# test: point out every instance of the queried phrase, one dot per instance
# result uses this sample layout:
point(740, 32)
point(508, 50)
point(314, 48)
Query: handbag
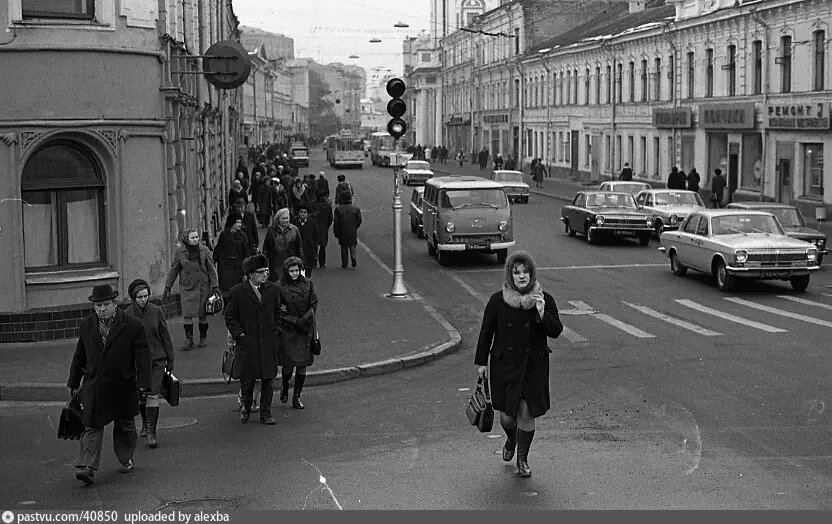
point(171, 388)
point(479, 410)
point(71, 424)
point(316, 344)
point(228, 364)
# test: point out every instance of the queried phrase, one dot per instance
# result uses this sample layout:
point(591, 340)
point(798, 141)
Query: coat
point(718, 185)
point(342, 191)
point(347, 220)
point(279, 245)
point(158, 340)
point(265, 201)
point(113, 373)
point(321, 212)
point(250, 229)
point(515, 341)
point(693, 181)
point(253, 325)
point(310, 237)
point(300, 300)
point(229, 253)
point(196, 280)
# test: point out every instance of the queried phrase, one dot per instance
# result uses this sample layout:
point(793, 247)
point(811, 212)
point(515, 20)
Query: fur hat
point(520, 257)
point(231, 218)
point(255, 262)
point(136, 286)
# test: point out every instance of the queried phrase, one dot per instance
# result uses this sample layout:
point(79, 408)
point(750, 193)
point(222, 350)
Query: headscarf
point(193, 251)
point(521, 298)
point(289, 262)
point(237, 185)
point(136, 286)
point(232, 217)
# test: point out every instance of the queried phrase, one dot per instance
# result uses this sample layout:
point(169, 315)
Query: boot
point(245, 412)
point(524, 442)
point(143, 413)
point(152, 420)
point(299, 380)
point(189, 337)
point(203, 335)
point(284, 387)
point(511, 442)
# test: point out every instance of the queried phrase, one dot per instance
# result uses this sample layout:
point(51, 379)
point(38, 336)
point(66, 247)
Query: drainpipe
point(521, 101)
point(613, 101)
point(766, 72)
point(676, 96)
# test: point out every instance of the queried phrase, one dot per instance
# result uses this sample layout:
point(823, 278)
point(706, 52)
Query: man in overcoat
point(321, 212)
point(310, 237)
point(249, 224)
point(347, 220)
point(252, 319)
point(113, 359)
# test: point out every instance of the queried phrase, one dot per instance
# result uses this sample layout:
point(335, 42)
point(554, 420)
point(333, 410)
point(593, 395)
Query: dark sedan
point(602, 213)
point(792, 221)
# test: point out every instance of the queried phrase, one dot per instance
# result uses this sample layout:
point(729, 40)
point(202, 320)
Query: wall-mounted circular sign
point(227, 65)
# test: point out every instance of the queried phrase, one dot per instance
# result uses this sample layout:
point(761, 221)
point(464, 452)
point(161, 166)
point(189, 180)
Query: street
point(666, 394)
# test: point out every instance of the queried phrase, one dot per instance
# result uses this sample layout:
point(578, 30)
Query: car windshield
point(457, 198)
point(625, 187)
point(418, 164)
point(610, 200)
point(739, 224)
point(788, 217)
point(508, 177)
point(678, 199)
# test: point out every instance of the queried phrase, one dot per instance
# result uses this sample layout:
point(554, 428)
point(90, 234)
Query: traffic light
point(396, 108)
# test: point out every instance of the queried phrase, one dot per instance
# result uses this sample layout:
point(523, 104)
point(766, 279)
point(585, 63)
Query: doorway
point(574, 153)
point(733, 174)
point(784, 180)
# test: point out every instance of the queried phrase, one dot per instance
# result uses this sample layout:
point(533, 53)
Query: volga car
point(416, 211)
point(466, 213)
point(597, 213)
point(792, 221)
point(514, 184)
point(416, 172)
point(624, 186)
point(739, 243)
point(669, 206)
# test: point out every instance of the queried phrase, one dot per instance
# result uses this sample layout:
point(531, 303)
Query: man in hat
point(718, 184)
point(309, 235)
point(113, 358)
point(252, 319)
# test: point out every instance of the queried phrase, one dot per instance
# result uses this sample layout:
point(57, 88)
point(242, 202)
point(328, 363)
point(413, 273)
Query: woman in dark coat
point(517, 321)
point(298, 303)
point(298, 194)
point(161, 353)
point(264, 202)
point(231, 249)
point(282, 241)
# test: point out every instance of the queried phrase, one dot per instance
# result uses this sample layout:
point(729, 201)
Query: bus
point(345, 149)
point(381, 145)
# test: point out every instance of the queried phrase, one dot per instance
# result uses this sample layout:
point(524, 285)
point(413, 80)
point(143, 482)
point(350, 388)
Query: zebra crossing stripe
point(572, 336)
point(675, 321)
point(627, 328)
point(781, 312)
point(804, 301)
point(727, 316)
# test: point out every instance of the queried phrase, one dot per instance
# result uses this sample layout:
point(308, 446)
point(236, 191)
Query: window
point(820, 60)
point(63, 225)
point(608, 149)
point(644, 80)
point(517, 92)
point(575, 84)
point(586, 87)
point(80, 9)
point(560, 147)
point(609, 84)
point(691, 74)
point(785, 60)
point(813, 170)
point(631, 152)
point(619, 79)
point(655, 157)
point(632, 83)
point(425, 57)
point(731, 68)
point(597, 85)
point(709, 73)
point(657, 80)
point(619, 152)
point(588, 150)
point(517, 41)
point(569, 87)
point(567, 147)
point(560, 89)
point(671, 75)
point(758, 67)
point(642, 157)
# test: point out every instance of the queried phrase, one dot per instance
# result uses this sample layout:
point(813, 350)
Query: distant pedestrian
point(343, 190)
point(298, 303)
point(298, 195)
point(113, 359)
point(251, 317)
point(264, 202)
point(674, 180)
point(626, 173)
point(281, 242)
point(231, 249)
point(323, 185)
point(520, 315)
point(347, 220)
point(236, 191)
point(161, 354)
point(321, 212)
point(310, 237)
point(693, 180)
point(718, 184)
point(538, 172)
point(249, 224)
point(460, 157)
point(510, 164)
point(498, 162)
point(194, 266)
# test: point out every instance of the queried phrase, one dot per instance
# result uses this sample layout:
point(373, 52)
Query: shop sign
point(798, 116)
point(459, 120)
point(727, 116)
point(672, 117)
point(495, 119)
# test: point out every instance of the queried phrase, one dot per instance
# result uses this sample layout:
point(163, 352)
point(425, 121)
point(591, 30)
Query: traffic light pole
point(398, 290)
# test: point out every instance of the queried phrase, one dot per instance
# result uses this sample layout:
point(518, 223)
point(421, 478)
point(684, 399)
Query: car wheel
point(800, 283)
point(644, 239)
point(659, 228)
point(502, 254)
point(525, 200)
point(676, 267)
point(442, 257)
point(431, 249)
point(569, 230)
point(413, 228)
point(591, 237)
point(420, 232)
point(724, 281)
point(820, 259)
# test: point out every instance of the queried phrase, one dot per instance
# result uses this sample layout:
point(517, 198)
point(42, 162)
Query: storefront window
point(752, 161)
point(813, 170)
point(717, 154)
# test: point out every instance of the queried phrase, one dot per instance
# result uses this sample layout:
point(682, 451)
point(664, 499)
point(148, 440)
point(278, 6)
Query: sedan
point(416, 211)
point(669, 206)
point(737, 243)
point(624, 186)
point(596, 213)
point(514, 183)
point(416, 172)
point(792, 221)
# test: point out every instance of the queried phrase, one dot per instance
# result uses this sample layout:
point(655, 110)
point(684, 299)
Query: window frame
point(786, 64)
point(709, 73)
point(819, 59)
point(59, 15)
point(691, 75)
point(757, 51)
point(731, 69)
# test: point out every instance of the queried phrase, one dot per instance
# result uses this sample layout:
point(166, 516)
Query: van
point(466, 213)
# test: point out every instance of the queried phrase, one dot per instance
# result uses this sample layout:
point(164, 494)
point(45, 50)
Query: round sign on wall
point(228, 65)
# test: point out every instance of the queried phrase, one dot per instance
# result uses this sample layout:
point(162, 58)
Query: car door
point(429, 210)
point(572, 212)
point(682, 239)
point(701, 245)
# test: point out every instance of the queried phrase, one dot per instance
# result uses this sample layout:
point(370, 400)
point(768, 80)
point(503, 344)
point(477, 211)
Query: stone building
point(269, 110)
point(421, 76)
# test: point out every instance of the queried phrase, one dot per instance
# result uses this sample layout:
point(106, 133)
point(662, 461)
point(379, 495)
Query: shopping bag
point(479, 410)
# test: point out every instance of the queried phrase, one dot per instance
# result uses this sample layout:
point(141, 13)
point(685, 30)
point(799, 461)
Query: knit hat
point(136, 286)
point(520, 257)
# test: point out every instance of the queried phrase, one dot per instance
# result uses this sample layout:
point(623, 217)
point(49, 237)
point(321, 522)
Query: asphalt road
point(725, 411)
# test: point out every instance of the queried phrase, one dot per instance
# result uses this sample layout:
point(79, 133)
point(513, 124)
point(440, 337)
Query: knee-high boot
point(152, 420)
point(286, 376)
point(299, 380)
point(143, 413)
point(524, 442)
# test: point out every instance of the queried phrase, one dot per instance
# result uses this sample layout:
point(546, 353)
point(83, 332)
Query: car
point(416, 172)
point(416, 211)
point(739, 243)
point(514, 183)
point(792, 221)
point(668, 206)
point(596, 213)
point(624, 186)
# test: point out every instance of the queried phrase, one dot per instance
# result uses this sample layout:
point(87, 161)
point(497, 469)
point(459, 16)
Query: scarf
point(525, 300)
point(104, 328)
point(298, 192)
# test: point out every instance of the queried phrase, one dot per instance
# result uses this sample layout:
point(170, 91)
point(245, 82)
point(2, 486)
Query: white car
point(416, 172)
point(624, 186)
point(514, 183)
point(669, 207)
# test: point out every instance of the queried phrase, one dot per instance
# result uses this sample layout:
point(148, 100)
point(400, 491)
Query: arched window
point(63, 225)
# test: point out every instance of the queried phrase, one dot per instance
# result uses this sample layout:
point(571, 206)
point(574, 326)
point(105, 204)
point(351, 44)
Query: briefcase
point(479, 410)
point(228, 364)
point(71, 424)
point(171, 388)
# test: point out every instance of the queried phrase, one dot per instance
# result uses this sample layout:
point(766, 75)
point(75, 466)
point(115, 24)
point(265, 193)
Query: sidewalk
point(354, 321)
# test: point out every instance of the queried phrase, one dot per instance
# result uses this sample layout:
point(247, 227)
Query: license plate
point(775, 274)
point(477, 246)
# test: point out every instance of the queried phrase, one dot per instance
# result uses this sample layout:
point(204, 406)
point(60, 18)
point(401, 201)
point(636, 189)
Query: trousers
point(266, 394)
point(344, 259)
point(124, 443)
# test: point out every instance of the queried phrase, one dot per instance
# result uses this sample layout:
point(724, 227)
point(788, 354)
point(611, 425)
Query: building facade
point(421, 76)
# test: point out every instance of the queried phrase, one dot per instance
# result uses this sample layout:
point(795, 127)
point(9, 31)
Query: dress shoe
point(284, 397)
point(203, 342)
point(269, 421)
point(85, 475)
point(127, 467)
point(296, 403)
point(508, 453)
point(244, 415)
point(523, 469)
point(354, 262)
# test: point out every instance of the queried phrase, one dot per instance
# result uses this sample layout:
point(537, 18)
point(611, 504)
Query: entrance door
point(595, 159)
point(574, 154)
point(733, 167)
point(784, 180)
point(495, 144)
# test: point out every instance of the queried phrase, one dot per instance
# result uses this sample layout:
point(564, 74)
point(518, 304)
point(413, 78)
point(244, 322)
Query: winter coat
point(233, 195)
point(343, 191)
point(538, 172)
point(515, 339)
point(253, 325)
point(321, 212)
point(264, 200)
point(310, 237)
point(718, 185)
point(298, 197)
point(323, 187)
point(297, 321)
point(279, 245)
point(693, 180)
point(231, 249)
point(347, 220)
point(250, 229)
point(113, 373)
point(158, 340)
point(626, 174)
point(196, 280)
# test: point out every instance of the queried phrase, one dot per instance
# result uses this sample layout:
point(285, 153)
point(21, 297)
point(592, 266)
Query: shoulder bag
point(479, 410)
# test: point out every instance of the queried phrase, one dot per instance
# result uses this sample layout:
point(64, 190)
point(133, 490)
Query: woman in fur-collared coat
point(518, 320)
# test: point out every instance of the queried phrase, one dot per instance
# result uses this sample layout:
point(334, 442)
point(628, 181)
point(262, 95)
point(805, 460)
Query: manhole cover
point(206, 504)
point(175, 422)
point(576, 311)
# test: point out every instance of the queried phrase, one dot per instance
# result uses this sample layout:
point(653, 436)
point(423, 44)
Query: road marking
point(675, 321)
point(804, 301)
point(558, 268)
point(781, 312)
point(727, 316)
point(572, 336)
point(627, 328)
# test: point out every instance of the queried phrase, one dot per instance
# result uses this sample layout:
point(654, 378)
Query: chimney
point(637, 6)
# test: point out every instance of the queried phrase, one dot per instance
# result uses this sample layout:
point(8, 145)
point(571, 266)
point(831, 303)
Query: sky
point(332, 30)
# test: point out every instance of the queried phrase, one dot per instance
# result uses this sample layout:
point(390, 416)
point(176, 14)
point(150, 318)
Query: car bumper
point(622, 230)
point(770, 273)
point(494, 246)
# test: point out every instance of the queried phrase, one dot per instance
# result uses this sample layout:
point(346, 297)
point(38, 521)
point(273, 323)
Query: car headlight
point(649, 221)
point(821, 242)
point(811, 254)
point(599, 220)
point(673, 219)
point(450, 227)
point(741, 256)
point(503, 225)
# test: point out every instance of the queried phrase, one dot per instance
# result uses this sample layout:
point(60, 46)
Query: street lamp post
point(398, 290)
